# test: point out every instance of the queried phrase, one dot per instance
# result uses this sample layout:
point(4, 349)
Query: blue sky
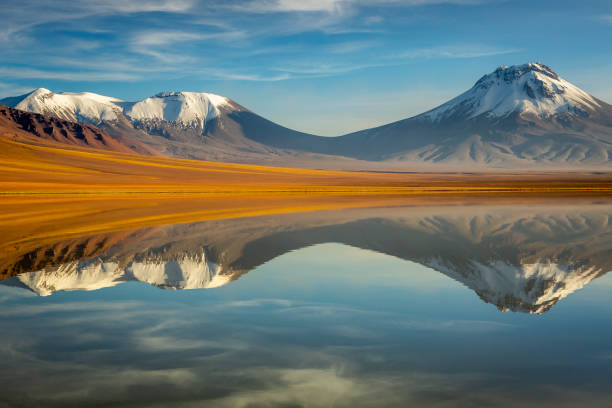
point(322, 66)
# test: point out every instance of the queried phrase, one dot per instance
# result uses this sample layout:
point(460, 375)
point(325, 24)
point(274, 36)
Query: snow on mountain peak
point(531, 88)
point(187, 108)
point(75, 107)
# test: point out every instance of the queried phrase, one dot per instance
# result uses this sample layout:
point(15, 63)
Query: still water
point(444, 306)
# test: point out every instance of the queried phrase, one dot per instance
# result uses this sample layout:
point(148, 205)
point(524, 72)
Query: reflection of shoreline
point(33, 221)
point(520, 258)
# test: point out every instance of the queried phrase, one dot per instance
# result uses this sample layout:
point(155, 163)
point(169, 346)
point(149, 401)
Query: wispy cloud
point(141, 6)
point(401, 58)
point(335, 6)
point(156, 38)
point(461, 51)
point(94, 76)
point(32, 13)
point(324, 69)
point(12, 90)
point(266, 6)
point(370, 20)
point(351, 46)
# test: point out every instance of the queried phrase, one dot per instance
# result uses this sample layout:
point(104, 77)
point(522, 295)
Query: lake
point(476, 304)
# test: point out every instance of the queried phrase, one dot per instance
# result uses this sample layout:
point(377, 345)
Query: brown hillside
point(34, 128)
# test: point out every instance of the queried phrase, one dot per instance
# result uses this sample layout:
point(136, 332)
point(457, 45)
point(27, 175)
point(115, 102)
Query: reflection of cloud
point(258, 303)
point(93, 306)
point(299, 387)
point(471, 326)
point(160, 352)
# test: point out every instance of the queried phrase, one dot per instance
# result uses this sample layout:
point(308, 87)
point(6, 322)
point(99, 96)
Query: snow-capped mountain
point(529, 89)
point(85, 107)
point(185, 108)
point(518, 117)
point(187, 271)
point(182, 108)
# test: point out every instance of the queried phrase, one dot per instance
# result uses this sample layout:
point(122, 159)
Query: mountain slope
point(28, 127)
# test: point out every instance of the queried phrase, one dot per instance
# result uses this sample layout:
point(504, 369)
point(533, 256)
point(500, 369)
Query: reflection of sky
point(325, 325)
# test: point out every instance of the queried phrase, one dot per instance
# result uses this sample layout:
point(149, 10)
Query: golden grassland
point(27, 169)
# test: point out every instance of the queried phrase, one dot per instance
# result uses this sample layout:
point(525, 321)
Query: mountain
point(518, 258)
point(25, 126)
point(517, 117)
point(190, 125)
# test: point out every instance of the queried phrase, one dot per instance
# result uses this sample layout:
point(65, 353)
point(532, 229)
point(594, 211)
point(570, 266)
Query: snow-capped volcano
point(524, 89)
point(76, 107)
point(184, 108)
point(518, 117)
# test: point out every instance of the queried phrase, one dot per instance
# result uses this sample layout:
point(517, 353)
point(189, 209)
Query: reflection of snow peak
point(532, 288)
point(183, 273)
point(186, 272)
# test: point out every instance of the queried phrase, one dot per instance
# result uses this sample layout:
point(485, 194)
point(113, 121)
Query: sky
point(327, 67)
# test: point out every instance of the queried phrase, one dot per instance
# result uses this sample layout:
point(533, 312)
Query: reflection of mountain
point(519, 258)
point(184, 271)
point(532, 288)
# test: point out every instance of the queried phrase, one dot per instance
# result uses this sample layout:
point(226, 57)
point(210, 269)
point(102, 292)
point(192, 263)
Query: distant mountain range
point(518, 117)
point(523, 259)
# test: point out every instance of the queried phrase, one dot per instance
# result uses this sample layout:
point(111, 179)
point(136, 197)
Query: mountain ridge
point(518, 117)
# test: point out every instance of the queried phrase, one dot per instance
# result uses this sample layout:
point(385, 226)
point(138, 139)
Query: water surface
point(440, 306)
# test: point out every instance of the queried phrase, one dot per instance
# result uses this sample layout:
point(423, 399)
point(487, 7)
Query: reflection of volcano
point(185, 271)
point(519, 258)
point(532, 288)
